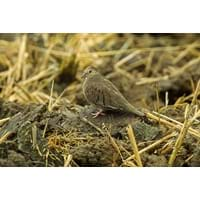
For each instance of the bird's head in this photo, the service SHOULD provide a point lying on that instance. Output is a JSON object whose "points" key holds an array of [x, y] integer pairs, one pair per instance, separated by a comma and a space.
{"points": [[90, 71]]}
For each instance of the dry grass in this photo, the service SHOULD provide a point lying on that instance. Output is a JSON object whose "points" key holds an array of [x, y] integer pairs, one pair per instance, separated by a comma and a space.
{"points": [[187, 123], [46, 68], [134, 145]]}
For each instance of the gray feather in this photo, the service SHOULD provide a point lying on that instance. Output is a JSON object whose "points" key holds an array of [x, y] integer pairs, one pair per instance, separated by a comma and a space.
{"points": [[103, 94]]}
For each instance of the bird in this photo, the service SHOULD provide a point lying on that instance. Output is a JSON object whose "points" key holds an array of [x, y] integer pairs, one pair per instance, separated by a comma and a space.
{"points": [[104, 95]]}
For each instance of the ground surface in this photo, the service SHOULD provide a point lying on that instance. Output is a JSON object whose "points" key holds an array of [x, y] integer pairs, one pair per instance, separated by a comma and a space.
{"points": [[45, 120]]}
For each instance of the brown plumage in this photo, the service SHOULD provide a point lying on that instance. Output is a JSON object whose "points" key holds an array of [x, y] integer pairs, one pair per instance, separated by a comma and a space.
{"points": [[103, 94]]}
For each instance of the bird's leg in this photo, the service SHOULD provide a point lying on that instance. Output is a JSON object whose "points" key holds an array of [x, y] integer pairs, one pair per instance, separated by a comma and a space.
{"points": [[100, 112]]}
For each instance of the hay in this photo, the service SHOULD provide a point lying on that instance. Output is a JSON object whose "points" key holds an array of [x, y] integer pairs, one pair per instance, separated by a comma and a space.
{"points": [[155, 72]]}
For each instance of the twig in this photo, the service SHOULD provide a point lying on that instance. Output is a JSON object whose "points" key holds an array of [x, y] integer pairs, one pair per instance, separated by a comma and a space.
{"points": [[21, 57], [115, 145], [2, 121], [58, 98], [126, 59], [196, 93], [34, 135], [183, 53], [51, 97], [45, 128], [134, 145], [5, 136], [93, 125], [151, 146], [67, 160], [149, 62], [187, 123], [123, 61], [178, 125], [179, 141], [111, 52], [176, 73]]}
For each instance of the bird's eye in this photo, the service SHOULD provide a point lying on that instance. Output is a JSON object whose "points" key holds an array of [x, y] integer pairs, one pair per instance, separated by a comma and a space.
{"points": [[90, 71]]}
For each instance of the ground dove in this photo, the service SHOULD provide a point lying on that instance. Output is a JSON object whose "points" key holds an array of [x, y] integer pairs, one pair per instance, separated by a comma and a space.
{"points": [[103, 94]]}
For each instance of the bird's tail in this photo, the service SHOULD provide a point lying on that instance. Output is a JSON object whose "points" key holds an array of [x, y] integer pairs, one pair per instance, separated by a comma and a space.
{"points": [[135, 111]]}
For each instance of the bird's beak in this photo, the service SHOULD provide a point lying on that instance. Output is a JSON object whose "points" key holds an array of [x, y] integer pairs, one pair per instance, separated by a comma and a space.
{"points": [[83, 76]]}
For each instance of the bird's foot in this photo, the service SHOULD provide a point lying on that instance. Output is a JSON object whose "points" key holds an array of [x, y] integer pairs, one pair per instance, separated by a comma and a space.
{"points": [[100, 112]]}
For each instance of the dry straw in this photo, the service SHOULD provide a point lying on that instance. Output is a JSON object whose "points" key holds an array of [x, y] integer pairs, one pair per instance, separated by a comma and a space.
{"points": [[32, 67], [134, 145]]}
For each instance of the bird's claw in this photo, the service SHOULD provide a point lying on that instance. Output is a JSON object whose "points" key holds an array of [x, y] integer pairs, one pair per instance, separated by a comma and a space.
{"points": [[100, 112]]}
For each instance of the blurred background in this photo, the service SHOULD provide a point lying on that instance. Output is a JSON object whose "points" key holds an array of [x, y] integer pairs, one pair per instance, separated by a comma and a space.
{"points": [[31, 64]]}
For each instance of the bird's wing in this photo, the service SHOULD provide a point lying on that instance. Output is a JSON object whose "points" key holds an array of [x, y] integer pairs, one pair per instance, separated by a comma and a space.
{"points": [[111, 86], [109, 97]]}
